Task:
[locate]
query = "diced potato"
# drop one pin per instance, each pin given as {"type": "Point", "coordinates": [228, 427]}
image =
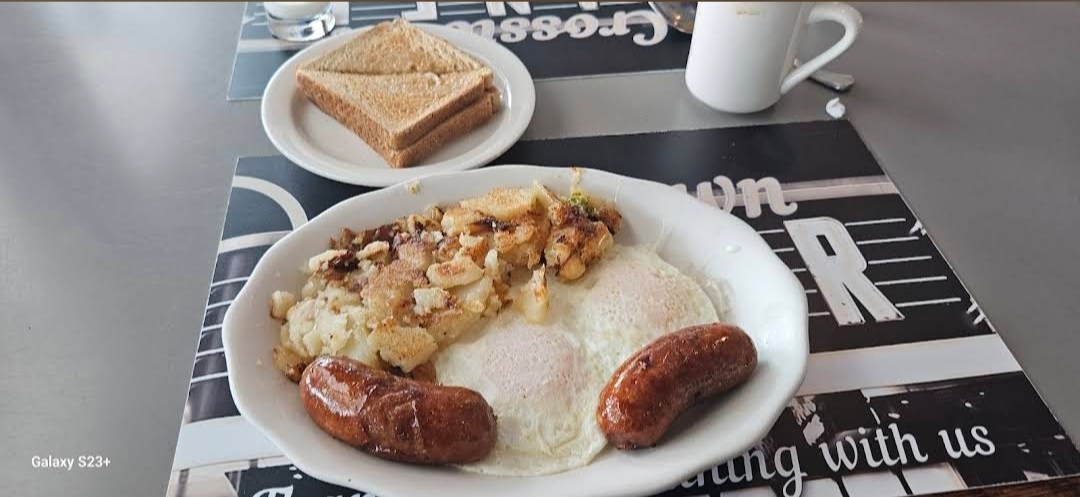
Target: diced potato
{"type": "Point", "coordinates": [473, 247]}
{"type": "Point", "coordinates": [456, 272]}
{"type": "Point", "coordinates": [313, 343]}
{"type": "Point", "coordinates": [404, 347]}
{"type": "Point", "coordinates": [504, 204]}
{"type": "Point", "coordinates": [458, 220]}
{"type": "Point", "coordinates": [562, 214]}
{"type": "Point", "coordinates": [332, 331]}
{"type": "Point", "coordinates": [389, 293]}
{"type": "Point", "coordinates": [280, 303]}
{"type": "Point", "coordinates": [572, 269]}
{"type": "Point", "coordinates": [445, 325]}
{"type": "Point", "coordinates": [312, 288]}
{"type": "Point", "coordinates": [373, 249]}
{"type": "Point", "coordinates": [523, 243]}
{"type": "Point", "coordinates": [434, 213]}
{"type": "Point", "coordinates": [299, 322]}
{"type": "Point", "coordinates": [356, 319]}
{"type": "Point", "coordinates": [289, 363]}
{"type": "Point", "coordinates": [544, 195]}
{"type": "Point", "coordinates": [493, 267]}
{"type": "Point", "coordinates": [447, 249]}
{"type": "Point", "coordinates": [611, 218]}
{"type": "Point", "coordinates": [429, 299]}
{"type": "Point", "coordinates": [571, 248]}
{"type": "Point", "coordinates": [474, 297]}
{"type": "Point", "coordinates": [336, 296]}
{"type": "Point", "coordinates": [533, 300]}
{"type": "Point", "coordinates": [595, 245]}
{"type": "Point", "coordinates": [432, 237]}
{"type": "Point", "coordinates": [321, 262]}
{"type": "Point", "coordinates": [359, 349]}
{"type": "Point", "coordinates": [416, 254]}
{"type": "Point", "coordinates": [506, 240]}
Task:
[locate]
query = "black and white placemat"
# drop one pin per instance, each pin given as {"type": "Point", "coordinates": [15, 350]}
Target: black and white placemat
{"type": "Point", "coordinates": [590, 38]}
{"type": "Point", "coordinates": [909, 390]}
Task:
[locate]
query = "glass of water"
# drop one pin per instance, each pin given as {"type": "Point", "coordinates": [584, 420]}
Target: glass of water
{"type": "Point", "coordinates": [299, 21]}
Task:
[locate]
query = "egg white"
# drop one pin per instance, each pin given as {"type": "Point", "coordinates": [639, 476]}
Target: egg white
{"type": "Point", "coordinates": [543, 388]}
{"type": "Point", "coordinates": [544, 380]}
{"type": "Point", "coordinates": [633, 297]}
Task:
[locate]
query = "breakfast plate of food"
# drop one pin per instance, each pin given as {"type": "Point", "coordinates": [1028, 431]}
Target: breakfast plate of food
{"type": "Point", "coordinates": [397, 101]}
{"type": "Point", "coordinates": [517, 330]}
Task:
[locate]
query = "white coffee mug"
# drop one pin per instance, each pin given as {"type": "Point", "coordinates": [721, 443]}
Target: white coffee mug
{"type": "Point", "coordinates": [742, 53]}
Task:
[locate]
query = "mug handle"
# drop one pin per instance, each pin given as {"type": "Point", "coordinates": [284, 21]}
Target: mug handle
{"type": "Point", "coordinates": [827, 11]}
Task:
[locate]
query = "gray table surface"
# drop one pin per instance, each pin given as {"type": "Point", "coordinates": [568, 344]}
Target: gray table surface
{"type": "Point", "coordinates": [117, 147]}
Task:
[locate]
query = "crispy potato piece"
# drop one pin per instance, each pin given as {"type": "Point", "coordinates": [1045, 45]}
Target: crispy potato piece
{"type": "Point", "coordinates": [572, 269]}
{"type": "Point", "coordinates": [403, 347]}
{"type": "Point", "coordinates": [474, 296]}
{"type": "Point", "coordinates": [493, 267]}
{"type": "Point", "coordinates": [430, 299]}
{"type": "Point", "coordinates": [571, 248]}
{"type": "Point", "coordinates": [358, 348]}
{"type": "Point", "coordinates": [445, 325]}
{"type": "Point", "coordinates": [459, 271]}
{"type": "Point", "coordinates": [288, 362]}
{"type": "Point", "coordinates": [532, 299]}
{"type": "Point", "coordinates": [416, 253]}
{"type": "Point", "coordinates": [522, 242]}
{"type": "Point", "coordinates": [280, 303]}
{"type": "Point", "coordinates": [322, 262]}
{"type": "Point", "coordinates": [415, 223]}
{"type": "Point", "coordinates": [504, 204]}
{"type": "Point", "coordinates": [544, 196]}
{"type": "Point", "coordinates": [374, 251]}
{"type": "Point", "coordinates": [389, 293]}
{"type": "Point", "coordinates": [611, 218]}
{"type": "Point", "coordinates": [458, 220]}
{"type": "Point", "coordinates": [474, 247]}
{"type": "Point", "coordinates": [447, 249]}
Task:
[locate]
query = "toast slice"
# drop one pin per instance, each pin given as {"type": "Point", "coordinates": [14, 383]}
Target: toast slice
{"type": "Point", "coordinates": [468, 119]}
{"type": "Point", "coordinates": [394, 110]}
{"type": "Point", "coordinates": [395, 47]}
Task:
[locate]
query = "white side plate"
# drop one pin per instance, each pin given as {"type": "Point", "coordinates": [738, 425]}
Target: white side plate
{"type": "Point", "coordinates": [766, 300]}
{"type": "Point", "coordinates": [318, 143]}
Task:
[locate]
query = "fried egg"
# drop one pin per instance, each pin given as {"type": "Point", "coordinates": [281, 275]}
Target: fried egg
{"type": "Point", "coordinates": [542, 386]}
{"type": "Point", "coordinates": [544, 380]}
{"type": "Point", "coordinates": [633, 296]}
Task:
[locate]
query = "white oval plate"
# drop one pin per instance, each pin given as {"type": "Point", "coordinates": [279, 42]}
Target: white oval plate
{"type": "Point", "coordinates": [318, 143]}
{"type": "Point", "coordinates": [766, 300]}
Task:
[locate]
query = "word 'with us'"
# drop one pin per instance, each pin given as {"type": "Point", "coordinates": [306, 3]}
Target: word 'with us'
{"type": "Point", "coordinates": [896, 448]}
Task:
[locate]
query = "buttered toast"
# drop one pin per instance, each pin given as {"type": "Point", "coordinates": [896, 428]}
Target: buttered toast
{"type": "Point", "coordinates": [401, 90]}
{"type": "Point", "coordinates": [395, 47]}
{"type": "Point", "coordinates": [395, 110]}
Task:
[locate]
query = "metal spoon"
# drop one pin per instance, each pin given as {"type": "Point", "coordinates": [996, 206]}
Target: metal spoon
{"type": "Point", "coordinates": [680, 15]}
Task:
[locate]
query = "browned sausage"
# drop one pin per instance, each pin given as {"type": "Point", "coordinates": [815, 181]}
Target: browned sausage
{"type": "Point", "coordinates": [397, 418]}
{"type": "Point", "coordinates": [656, 384]}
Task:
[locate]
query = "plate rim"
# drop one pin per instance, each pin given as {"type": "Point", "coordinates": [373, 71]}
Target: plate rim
{"type": "Point", "coordinates": [762, 422]}
{"type": "Point", "coordinates": [522, 97]}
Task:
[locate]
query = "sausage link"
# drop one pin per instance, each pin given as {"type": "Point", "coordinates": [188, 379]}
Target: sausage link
{"type": "Point", "coordinates": [656, 384]}
{"type": "Point", "coordinates": [397, 418]}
